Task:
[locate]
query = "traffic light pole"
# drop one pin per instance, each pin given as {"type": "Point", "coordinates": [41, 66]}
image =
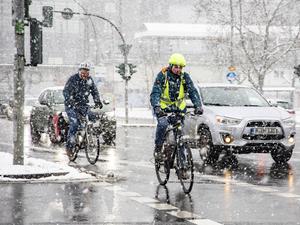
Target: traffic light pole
{"type": "Point", "coordinates": [68, 13]}
{"type": "Point", "coordinates": [18, 120]}
{"type": "Point", "coordinates": [125, 50]}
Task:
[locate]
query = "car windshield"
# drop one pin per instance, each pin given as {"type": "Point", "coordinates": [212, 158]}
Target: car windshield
{"type": "Point", "coordinates": [232, 96]}
{"type": "Point", "coordinates": [58, 97]}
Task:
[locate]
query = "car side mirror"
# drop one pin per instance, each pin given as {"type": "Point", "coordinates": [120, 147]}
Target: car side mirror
{"type": "Point", "coordinates": [106, 102]}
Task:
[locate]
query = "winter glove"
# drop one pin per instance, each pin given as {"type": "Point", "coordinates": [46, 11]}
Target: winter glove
{"type": "Point", "coordinates": [99, 105]}
{"type": "Point", "coordinates": [158, 112]}
{"type": "Point", "coordinates": [198, 110]}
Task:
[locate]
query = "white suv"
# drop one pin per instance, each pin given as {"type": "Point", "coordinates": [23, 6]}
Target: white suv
{"type": "Point", "coordinates": [239, 120]}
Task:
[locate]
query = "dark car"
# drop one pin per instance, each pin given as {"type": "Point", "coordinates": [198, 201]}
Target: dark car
{"type": "Point", "coordinates": [48, 116]}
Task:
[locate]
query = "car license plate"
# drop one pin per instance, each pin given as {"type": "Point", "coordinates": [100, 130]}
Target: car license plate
{"type": "Point", "coordinates": [264, 130]}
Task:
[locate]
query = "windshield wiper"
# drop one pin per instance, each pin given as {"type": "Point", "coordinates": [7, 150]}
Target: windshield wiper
{"type": "Point", "coordinates": [215, 104]}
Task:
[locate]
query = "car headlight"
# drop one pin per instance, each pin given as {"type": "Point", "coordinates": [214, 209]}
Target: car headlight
{"type": "Point", "coordinates": [227, 120]}
{"type": "Point", "coordinates": [289, 122]}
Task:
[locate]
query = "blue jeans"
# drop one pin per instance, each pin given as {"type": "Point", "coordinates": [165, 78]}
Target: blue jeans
{"type": "Point", "coordinates": [162, 125]}
{"type": "Point", "coordinates": [74, 122]}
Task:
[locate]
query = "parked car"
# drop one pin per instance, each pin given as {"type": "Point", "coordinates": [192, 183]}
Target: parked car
{"type": "Point", "coordinates": [29, 103]}
{"type": "Point", "coordinates": [49, 116]}
{"type": "Point", "coordinates": [238, 120]}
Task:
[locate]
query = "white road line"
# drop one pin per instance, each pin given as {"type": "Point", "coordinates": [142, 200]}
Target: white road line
{"type": "Point", "coordinates": [129, 194]}
{"type": "Point", "coordinates": [114, 188]}
{"type": "Point", "coordinates": [144, 200]}
{"type": "Point", "coordinates": [204, 222]}
{"type": "Point", "coordinates": [184, 214]}
{"type": "Point", "coordinates": [162, 206]}
{"type": "Point", "coordinates": [288, 195]}
{"type": "Point", "coordinates": [264, 189]}
{"type": "Point", "coordinates": [102, 184]}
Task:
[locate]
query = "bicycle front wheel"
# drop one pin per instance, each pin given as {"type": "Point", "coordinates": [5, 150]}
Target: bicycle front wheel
{"type": "Point", "coordinates": [92, 146]}
{"type": "Point", "coordinates": [162, 168]}
{"type": "Point", "coordinates": [186, 174]}
{"type": "Point", "coordinates": [73, 157]}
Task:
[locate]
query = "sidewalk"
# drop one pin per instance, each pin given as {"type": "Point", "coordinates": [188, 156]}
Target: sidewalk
{"type": "Point", "coordinates": [37, 169]}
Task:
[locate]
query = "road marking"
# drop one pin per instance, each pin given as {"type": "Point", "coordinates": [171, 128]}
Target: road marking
{"type": "Point", "coordinates": [288, 195]}
{"type": "Point", "coordinates": [129, 194]}
{"type": "Point", "coordinates": [162, 206]}
{"type": "Point", "coordinates": [184, 214]}
{"type": "Point", "coordinates": [204, 222]}
{"type": "Point", "coordinates": [102, 184]}
{"type": "Point", "coordinates": [114, 188]}
{"type": "Point", "coordinates": [264, 189]}
{"type": "Point", "coordinates": [144, 199]}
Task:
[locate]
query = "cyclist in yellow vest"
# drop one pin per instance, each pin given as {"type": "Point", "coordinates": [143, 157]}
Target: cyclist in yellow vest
{"type": "Point", "coordinates": [168, 94]}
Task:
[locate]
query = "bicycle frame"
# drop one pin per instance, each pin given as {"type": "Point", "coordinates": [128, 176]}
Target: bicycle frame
{"type": "Point", "coordinates": [177, 132]}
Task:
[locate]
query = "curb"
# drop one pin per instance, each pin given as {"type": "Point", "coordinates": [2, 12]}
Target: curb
{"type": "Point", "coordinates": [33, 175]}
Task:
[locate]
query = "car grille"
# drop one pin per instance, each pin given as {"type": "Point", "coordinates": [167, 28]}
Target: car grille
{"type": "Point", "coordinates": [263, 124]}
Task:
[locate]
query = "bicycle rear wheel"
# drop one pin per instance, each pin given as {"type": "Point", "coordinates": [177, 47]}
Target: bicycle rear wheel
{"type": "Point", "coordinates": [186, 175]}
{"type": "Point", "coordinates": [162, 168]}
{"type": "Point", "coordinates": [92, 145]}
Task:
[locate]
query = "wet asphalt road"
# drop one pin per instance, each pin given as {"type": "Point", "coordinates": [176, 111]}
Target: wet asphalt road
{"type": "Point", "coordinates": [257, 191]}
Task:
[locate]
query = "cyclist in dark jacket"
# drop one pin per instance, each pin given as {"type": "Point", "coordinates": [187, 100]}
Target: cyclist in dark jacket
{"type": "Point", "coordinates": [168, 95]}
{"type": "Point", "coordinates": [76, 92]}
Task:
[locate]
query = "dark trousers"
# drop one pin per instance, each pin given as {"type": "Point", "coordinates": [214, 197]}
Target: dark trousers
{"type": "Point", "coordinates": [162, 125]}
{"type": "Point", "coordinates": [74, 123]}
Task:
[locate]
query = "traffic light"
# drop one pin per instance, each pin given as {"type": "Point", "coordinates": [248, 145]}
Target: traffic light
{"type": "Point", "coordinates": [36, 42]}
{"type": "Point", "coordinates": [48, 16]}
{"type": "Point", "coordinates": [297, 70]}
{"type": "Point", "coordinates": [132, 68]}
{"type": "Point", "coordinates": [26, 8]}
{"type": "Point", "coordinates": [121, 70]}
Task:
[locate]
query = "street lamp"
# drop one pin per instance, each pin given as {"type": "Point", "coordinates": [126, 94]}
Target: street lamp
{"type": "Point", "coordinates": [67, 13]}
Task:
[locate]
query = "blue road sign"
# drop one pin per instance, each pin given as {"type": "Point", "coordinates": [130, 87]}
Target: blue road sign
{"type": "Point", "coordinates": [231, 76]}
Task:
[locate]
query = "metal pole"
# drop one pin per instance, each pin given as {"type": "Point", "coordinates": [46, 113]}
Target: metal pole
{"type": "Point", "coordinates": [18, 120]}
{"type": "Point", "coordinates": [125, 50]}
{"type": "Point", "coordinates": [231, 33]}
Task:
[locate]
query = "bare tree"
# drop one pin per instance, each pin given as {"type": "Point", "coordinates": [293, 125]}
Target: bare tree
{"type": "Point", "coordinates": [266, 31]}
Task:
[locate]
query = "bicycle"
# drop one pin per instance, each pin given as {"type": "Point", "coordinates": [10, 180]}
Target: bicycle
{"type": "Point", "coordinates": [173, 141]}
{"type": "Point", "coordinates": [88, 138]}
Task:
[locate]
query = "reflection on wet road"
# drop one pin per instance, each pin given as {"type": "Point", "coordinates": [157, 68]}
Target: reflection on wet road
{"type": "Point", "coordinates": [243, 189]}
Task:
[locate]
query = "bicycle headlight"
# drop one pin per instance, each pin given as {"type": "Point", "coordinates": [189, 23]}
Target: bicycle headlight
{"type": "Point", "coordinates": [289, 122]}
{"type": "Point", "coordinates": [228, 120]}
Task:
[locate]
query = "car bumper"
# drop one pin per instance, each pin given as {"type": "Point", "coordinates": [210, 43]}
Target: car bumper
{"type": "Point", "coordinates": [239, 137]}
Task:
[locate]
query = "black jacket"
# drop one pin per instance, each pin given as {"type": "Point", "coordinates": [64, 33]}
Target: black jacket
{"type": "Point", "coordinates": [77, 91]}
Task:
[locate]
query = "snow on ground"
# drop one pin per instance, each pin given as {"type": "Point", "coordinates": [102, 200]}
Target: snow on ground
{"type": "Point", "coordinates": [38, 167]}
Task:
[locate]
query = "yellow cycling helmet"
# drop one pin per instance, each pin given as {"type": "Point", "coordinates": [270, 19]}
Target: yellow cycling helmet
{"type": "Point", "coordinates": [177, 59]}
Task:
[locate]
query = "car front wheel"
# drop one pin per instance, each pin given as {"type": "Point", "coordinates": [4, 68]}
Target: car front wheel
{"type": "Point", "coordinates": [208, 152]}
{"type": "Point", "coordinates": [281, 154]}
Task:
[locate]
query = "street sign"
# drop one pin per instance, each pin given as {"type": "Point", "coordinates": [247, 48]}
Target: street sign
{"type": "Point", "coordinates": [231, 68]}
{"type": "Point", "coordinates": [67, 13]}
{"type": "Point", "coordinates": [231, 76]}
